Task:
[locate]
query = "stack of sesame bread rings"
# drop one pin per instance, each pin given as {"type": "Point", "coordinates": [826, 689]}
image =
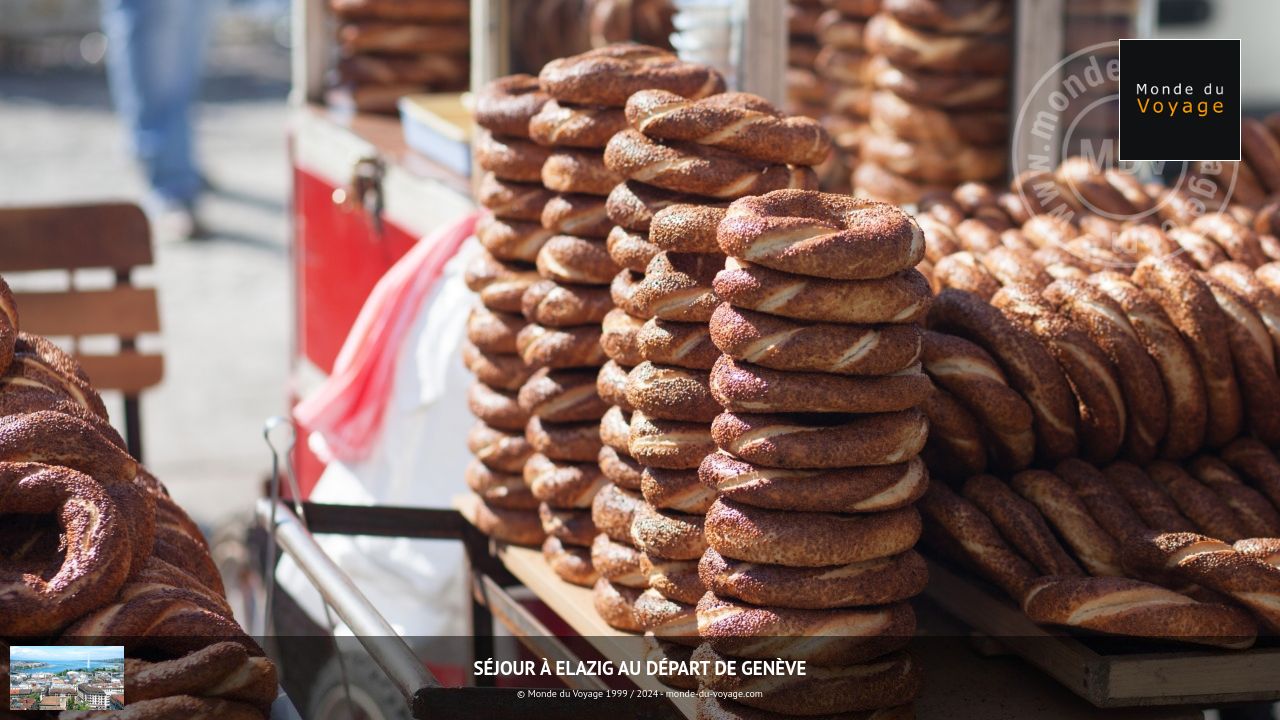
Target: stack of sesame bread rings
{"type": "Point", "coordinates": [94, 551]}
{"type": "Point", "coordinates": [939, 115]}
{"type": "Point", "coordinates": [684, 159]}
{"type": "Point", "coordinates": [844, 65]}
{"type": "Point", "coordinates": [810, 540]}
{"type": "Point", "coordinates": [511, 234]}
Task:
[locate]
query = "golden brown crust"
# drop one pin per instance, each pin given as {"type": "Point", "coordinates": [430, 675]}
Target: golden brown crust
{"type": "Point", "coordinates": [681, 344]}
{"type": "Point", "coordinates": [519, 527]}
{"type": "Point", "coordinates": [566, 395]}
{"type": "Point", "coordinates": [511, 240]}
{"type": "Point", "coordinates": [562, 484]}
{"type": "Point", "coordinates": [630, 250]}
{"type": "Point", "coordinates": [612, 510]}
{"type": "Point", "coordinates": [571, 527]}
{"type": "Point", "coordinates": [505, 452]}
{"type": "Point", "coordinates": [1257, 463]}
{"type": "Point", "coordinates": [844, 349]}
{"type": "Point", "coordinates": [615, 431]}
{"type": "Point", "coordinates": [677, 286]}
{"type": "Point", "coordinates": [900, 297]}
{"type": "Point", "coordinates": [580, 215]}
{"type": "Point", "coordinates": [615, 603]}
{"type": "Point", "coordinates": [509, 158]}
{"type": "Point", "coordinates": [500, 285]}
{"type": "Point", "coordinates": [572, 170]}
{"type": "Point", "coordinates": [621, 469]}
{"type": "Point", "coordinates": [379, 36]}
{"type": "Point", "coordinates": [505, 106]}
{"type": "Point", "coordinates": [562, 125]}
{"type": "Point", "coordinates": [1021, 524]}
{"type": "Point", "coordinates": [1096, 550]}
{"type": "Point", "coordinates": [893, 115]}
{"type": "Point", "coordinates": [925, 162]}
{"type": "Point", "coordinates": [1253, 358]}
{"type": "Point", "coordinates": [949, 16]}
{"type": "Point", "coordinates": [619, 338]}
{"type": "Point", "coordinates": [678, 490]}
{"type": "Point", "coordinates": [1106, 504]}
{"type": "Point", "coordinates": [964, 526]}
{"type": "Point", "coordinates": [674, 579]}
{"type": "Point", "coordinates": [671, 393]}
{"type": "Point", "coordinates": [1242, 280]}
{"type": "Point", "coordinates": [571, 562]}
{"type": "Point", "coordinates": [667, 619]}
{"type": "Point", "coordinates": [754, 534]}
{"type": "Point", "coordinates": [667, 533]}
{"type": "Point", "coordinates": [669, 444]}
{"type": "Point", "coordinates": [744, 388]}
{"type": "Point", "coordinates": [846, 490]}
{"type": "Point", "coordinates": [872, 582]}
{"type": "Point", "coordinates": [956, 446]}
{"type": "Point", "coordinates": [698, 169]}
{"type": "Point", "coordinates": [576, 260]}
{"type": "Point", "coordinates": [222, 670]}
{"type": "Point", "coordinates": [947, 90]}
{"type": "Point", "coordinates": [494, 331]}
{"type": "Point", "coordinates": [499, 489]}
{"type": "Point", "coordinates": [1196, 501]}
{"type": "Point", "coordinates": [432, 12]}
{"type": "Point", "coordinates": [512, 200]}
{"type": "Point", "coordinates": [549, 303]}
{"type": "Point", "coordinates": [502, 372]}
{"type": "Point", "coordinates": [577, 346]}
{"type": "Point", "coordinates": [568, 442]}
{"type": "Point", "coordinates": [822, 441]}
{"type": "Point", "coordinates": [496, 408]}
{"type": "Point", "coordinates": [1256, 516]}
{"type": "Point", "coordinates": [687, 228]}
{"type": "Point", "coordinates": [618, 562]}
{"type": "Point", "coordinates": [632, 204]}
{"type": "Point", "coordinates": [609, 75]}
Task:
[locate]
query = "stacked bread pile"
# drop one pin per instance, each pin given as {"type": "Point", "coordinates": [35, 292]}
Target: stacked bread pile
{"type": "Point", "coordinates": [393, 48]}
{"type": "Point", "coordinates": [939, 113]}
{"type": "Point", "coordinates": [845, 66]}
{"type": "Point", "coordinates": [806, 92]}
{"type": "Point", "coordinates": [709, 151]}
{"type": "Point", "coordinates": [553, 29]}
{"type": "Point", "coordinates": [95, 549]}
{"type": "Point", "coordinates": [511, 189]}
{"type": "Point", "coordinates": [813, 530]}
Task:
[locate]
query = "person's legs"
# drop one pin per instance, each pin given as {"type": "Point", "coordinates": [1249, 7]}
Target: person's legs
{"type": "Point", "coordinates": [154, 60]}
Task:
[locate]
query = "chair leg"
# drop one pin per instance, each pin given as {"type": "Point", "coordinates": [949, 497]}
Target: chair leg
{"type": "Point", "coordinates": [133, 426]}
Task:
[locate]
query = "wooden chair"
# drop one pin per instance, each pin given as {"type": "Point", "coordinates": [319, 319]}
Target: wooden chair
{"type": "Point", "coordinates": [70, 238]}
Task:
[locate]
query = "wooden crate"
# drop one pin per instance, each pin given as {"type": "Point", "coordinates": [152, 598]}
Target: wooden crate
{"type": "Point", "coordinates": [1099, 670]}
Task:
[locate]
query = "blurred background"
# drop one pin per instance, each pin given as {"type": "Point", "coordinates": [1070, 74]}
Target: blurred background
{"type": "Point", "coordinates": [225, 298]}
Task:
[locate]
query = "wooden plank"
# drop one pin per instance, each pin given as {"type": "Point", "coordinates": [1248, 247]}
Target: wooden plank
{"type": "Point", "coordinates": [762, 50]}
{"type": "Point", "coordinates": [114, 235]}
{"type": "Point", "coordinates": [130, 373]}
{"type": "Point", "coordinates": [124, 311]}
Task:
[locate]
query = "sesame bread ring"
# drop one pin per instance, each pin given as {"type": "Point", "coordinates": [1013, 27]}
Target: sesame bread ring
{"type": "Point", "coordinates": [667, 619]}
{"type": "Point", "coordinates": [893, 115]}
{"type": "Point", "coordinates": [671, 393]}
{"type": "Point", "coordinates": [632, 204]}
{"type": "Point", "coordinates": [821, 235]}
{"type": "Point", "coordinates": [94, 546]}
{"type": "Point", "coordinates": [745, 388]}
{"type": "Point", "coordinates": [901, 297]}
{"type": "Point", "coordinates": [1105, 322]}
{"type": "Point", "coordinates": [939, 239]}
{"type": "Point", "coordinates": [500, 285]}
{"type": "Point", "coordinates": [613, 510]}
{"type": "Point", "coordinates": [571, 562]}
{"type": "Point", "coordinates": [1103, 416]}
{"type": "Point", "coordinates": [1261, 150]}
{"type": "Point", "coordinates": [1179, 372]}
{"type": "Point", "coordinates": [511, 240]}
{"type": "Point", "coordinates": [1196, 249]}
{"type": "Point", "coordinates": [1147, 498]}
{"type": "Point", "coordinates": [669, 444]}
{"type": "Point", "coordinates": [499, 489]}
{"type": "Point", "coordinates": [395, 10]}
{"type": "Point", "coordinates": [519, 527]}
{"type": "Point", "coordinates": [687, 228]}
{"type": "Point", "coordinates": [570, 527]}
{"type": "Point", "coordinates": [376, 36]}
{"type": "Point", "coordinates": [963, 271]}
{"type": "Point", "coordinates": [503, 451]}
{"type": "Point", "coordinates": [630, 250]}
{"type": "Point", "coordinates": [1191, 307]}
{"type": "Point", "coordinates": [502, 372]}
{"type": "Point", "coordinates": [854, 8]}
{"type": "Point", "coordinates": [669, 659]}
{"type": "Point", "coordinates": [577, 126]}
{"type": "Point", "coordinates": [1016, 267]}
{"type": "Point", "coordinates": [753, 534]}
{"type": "Point", "coordinates": [956, 447]}
{"type": "Point", "coordinates": [1241, 279]}
{"type": "Point", "coordinates": [874, 181]}
{"type": "Point", "coordinates": [668, 534]}
{"type": "Point", "coordinates": [842, 66]}
{"type": "Point", "coordinates": [873, 582]}
{"type": "Point", "coordinates": [679, 344]}
{"type": "Point", "coordinates": [928, 163]}
{"type": "Point", "coordinates": [620, 338]}
{"type": "Point", "coordinates": [913, 46]}
{"type": "Point", "coordinates": [984, 17]}
{"type": "Point", "coordinates": [740, 123]}
{"type": "Point", "coordinates": [675, 579]}
{"type": "Point", "coordinates": [621, 469]}
{"type": "Point", "coordinates": [623, 286]}
{"type": "Point", "coordinates": [575, 260]}
{"type": "Point", "coordinates": [848, 691]}
{"type": "Point", "coordinates": [821, 638]}
{"type": "Point", "coordinates": [836, 441]}
{"type": "Point", "coordinates": [678, 490]}
{"type": "Point", "coordinates": [1265, 549]}
{"type": "Point", "coordinates": [9, 325]}
{"type": "Point", "coordinates": [1030, 368]}
{"type": "Point", "coordinates": [569, 170]}
{"type": "Point", "coordinates": [677, 286]}
{"type": "Point", "coordinates": [1256, 463]}
{"type": "Point", "coordinates": [834, 29]}
{"type": "Point", "coordinates": [845, 490]}
{"type": "Point", "coordinates": [957, 523]}
{"type": "Point", "coordinates": [945, 90]}
{"type": "Point", "coordinates": [1096, 550]}
{"type": "Point", "coordinates": [509, 158]}
{"type": "Point", "coordinates": [1239, 242]}
{"type": "Point", "coordinates": [1269, 275]}
{"type": "Point", "coordinates": [618, 563]}
{"type": "Point", "coordinates": [698, 169]}
{"type": "Point", "coordinates": [1256, 516]}
{"type": "Point", "coordinates": [568, 442]}
{"type": "Point", "coordinates": [977, 236]}
{"type": "Point", "coordinates": [1254, 359]}
{"type": "Point", "coordinates": [615, 603]}
{"type": "Point", "coordinates": [224, 670]}
{"type": "Point", "coordinates": [1082, 177]}
{"type": "Point", "coordinates": [615, 432]}
{"type": "Point", "coordinates": [782, 344]}
{"type": "Point", "coordinates": [1020, 523]}
{"type": "Point", "coordinates": [512, 200]}
{"type": "Point", "coordinates": [972, 376]}
{"type": "Point", "coordinates": [539, 346]}
{"type": "Point", "coordinates": [580, 215]}
{"type": "Point", "coordinates": [562, 395]}
{"type": "Point", "coordinates": [563, 485]}
{"type": "Point", "coordinates": [611, 74]}
{"type": "Point", "coordinates": [1105, 503]}
{"type": "Point", "coordinates": [496, 408]}
{"type": "Point", "coordinates": [494, 331]}
{"type": "Point", "coordinates": [549, 303]}
{"type": "Point", "coordinates": [506, 105]}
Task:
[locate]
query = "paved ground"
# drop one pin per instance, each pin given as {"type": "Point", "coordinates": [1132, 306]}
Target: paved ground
{"type": "Point", "coordinates": [224, 301]}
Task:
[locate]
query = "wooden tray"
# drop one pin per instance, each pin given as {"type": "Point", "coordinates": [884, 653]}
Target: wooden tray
{"type": "Point", "coordinates": [1106, 678]}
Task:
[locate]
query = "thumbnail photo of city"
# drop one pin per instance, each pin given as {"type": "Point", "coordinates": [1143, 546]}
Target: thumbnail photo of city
{"type": "Point", "coordinates": [66, 677]}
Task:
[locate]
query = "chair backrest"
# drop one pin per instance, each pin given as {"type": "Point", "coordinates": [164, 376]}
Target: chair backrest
{"type": "Point", "coordinates": [114, 236]}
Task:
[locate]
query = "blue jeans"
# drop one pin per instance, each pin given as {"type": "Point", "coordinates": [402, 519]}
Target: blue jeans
{"type": "Point", "coordinates": [155, 54]}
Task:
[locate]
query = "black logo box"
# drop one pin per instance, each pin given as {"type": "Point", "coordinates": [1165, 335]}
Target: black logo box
{"type": "Point", "coordinates": [1186, 68]}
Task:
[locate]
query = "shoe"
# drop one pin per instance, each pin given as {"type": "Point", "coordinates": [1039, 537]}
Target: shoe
{"type": "Point", "coordinates": [174, 221]}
